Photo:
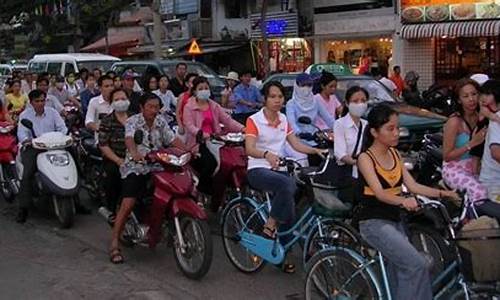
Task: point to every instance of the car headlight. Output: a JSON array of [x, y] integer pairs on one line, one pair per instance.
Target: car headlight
[[404, 132], [59, 159]]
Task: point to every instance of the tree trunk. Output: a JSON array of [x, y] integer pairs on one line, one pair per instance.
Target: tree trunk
[[157, 29], [265, 42]]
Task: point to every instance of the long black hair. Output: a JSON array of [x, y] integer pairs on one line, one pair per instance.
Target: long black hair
[[491, 87], [377, 117]]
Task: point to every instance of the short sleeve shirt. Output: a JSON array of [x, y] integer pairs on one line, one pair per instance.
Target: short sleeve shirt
[[155, 138], [490, 168], [331, 106], [112, 134]]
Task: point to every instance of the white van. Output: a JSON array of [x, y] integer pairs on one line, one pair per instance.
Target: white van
[[65, 64]]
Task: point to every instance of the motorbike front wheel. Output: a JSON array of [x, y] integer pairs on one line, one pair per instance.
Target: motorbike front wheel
[[65, 210], [195, 258]]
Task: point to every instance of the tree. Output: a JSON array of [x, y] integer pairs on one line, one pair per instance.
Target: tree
[[265, 42]]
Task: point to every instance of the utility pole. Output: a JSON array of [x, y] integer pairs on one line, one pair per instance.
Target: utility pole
[[265, 42], [157, 29]]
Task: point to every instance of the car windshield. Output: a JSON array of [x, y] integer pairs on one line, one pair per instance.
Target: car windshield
[[377, 91], [199, 69], [4, 71], [104, 65]]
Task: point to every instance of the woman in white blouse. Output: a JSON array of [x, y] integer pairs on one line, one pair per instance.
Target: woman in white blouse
[[348, 139]]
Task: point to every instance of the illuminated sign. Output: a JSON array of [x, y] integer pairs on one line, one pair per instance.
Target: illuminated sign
[[420, 11], [276, 27]]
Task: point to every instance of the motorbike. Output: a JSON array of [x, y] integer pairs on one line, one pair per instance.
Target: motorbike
[[230, 174], [57, 176], [173, 213], [438, 99], [8, 174], [429, 161], [72, 117]]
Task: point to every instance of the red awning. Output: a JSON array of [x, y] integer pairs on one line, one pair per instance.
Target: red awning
[[122, 40]]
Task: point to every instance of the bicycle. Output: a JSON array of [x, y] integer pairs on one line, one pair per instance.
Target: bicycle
[[344, 273], [244, 218]]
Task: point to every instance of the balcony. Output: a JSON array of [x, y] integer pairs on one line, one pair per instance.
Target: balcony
[[200, 27]]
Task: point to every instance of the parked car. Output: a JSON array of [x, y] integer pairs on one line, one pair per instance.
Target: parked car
[[5, 74], [64, 64], [414, 122], [167, 67]]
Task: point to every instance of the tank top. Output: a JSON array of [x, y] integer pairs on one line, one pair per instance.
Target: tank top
[[391, 181], [460, 141]]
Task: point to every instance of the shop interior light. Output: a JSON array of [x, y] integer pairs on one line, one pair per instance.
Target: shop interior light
[[444, 37], [345, 42]]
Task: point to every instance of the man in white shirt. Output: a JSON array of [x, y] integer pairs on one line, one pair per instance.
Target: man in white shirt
[[490, 166], [389, 84], [99, 106]]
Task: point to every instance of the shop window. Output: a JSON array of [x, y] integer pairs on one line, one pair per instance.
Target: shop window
[[235, 9], [459, 57]]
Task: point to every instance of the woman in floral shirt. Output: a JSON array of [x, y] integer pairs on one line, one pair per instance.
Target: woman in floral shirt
[[134, 172]]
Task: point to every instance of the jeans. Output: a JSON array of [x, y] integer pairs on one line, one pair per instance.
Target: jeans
[[407, 269], [283, 188]]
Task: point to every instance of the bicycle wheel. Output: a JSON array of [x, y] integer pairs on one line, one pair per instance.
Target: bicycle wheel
[[238, 215], [478, 292], [335, 274], [335, 233], [433, 246]]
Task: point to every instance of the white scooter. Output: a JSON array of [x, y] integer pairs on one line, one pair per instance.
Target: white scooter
[[57, 175]]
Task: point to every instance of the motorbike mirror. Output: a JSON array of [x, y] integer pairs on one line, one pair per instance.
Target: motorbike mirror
[[305, 120], [138, 137], [27, 123]]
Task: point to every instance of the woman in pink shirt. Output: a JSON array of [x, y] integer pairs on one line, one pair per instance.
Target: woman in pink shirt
[[205, 115], [326, 96]]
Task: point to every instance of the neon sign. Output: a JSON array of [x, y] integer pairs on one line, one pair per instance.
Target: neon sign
[[276, 27]]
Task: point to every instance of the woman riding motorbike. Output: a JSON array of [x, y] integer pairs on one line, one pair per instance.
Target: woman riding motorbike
[[205, 115], [462, 133], [156, 135], [267, 131], [382, 175], [112, 145], [303, 104], [326, 96]]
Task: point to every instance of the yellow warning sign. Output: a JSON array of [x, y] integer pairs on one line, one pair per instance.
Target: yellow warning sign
[[194, 48]]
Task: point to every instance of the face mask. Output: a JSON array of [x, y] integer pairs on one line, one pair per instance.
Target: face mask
[[120, 106], [304, 91], [203, 94], [358, 109]]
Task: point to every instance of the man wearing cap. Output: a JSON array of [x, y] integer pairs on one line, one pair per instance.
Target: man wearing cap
[[247, 97], [227, 99], [128, 83]]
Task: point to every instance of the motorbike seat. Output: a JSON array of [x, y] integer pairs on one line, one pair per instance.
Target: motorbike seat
[[436, 138], [90, 145]]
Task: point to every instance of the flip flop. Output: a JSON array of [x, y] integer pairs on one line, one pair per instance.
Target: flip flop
[[115, 256], [269, 233]]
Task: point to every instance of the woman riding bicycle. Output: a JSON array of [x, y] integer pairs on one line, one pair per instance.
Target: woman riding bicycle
[[205, 115], [134, 172], [462, 135], [267, 131], [304, 104], [382, 176]]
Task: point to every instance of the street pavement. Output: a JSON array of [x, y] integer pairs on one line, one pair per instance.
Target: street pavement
[[40, 261]]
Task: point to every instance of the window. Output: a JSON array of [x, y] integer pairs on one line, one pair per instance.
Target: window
[[37, 67], [236, 9], [205, 9], [68, 68], [54, 68]]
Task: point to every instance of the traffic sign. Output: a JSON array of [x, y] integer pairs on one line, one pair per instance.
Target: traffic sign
[[194, 48]]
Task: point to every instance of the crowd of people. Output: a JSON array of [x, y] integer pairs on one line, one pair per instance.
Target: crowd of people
[[115, 107]]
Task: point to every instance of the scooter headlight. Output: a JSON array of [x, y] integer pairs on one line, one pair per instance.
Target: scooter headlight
[[58, 160]]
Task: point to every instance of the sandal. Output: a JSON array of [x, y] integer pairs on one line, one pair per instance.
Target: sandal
[[115, 256], [287, 268], [269, 233]]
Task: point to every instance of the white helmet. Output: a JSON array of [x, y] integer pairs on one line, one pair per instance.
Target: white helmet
[[480, 78]]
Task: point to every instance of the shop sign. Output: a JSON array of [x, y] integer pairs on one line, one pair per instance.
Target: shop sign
[[425, 11], [278, 24], [335, 69]]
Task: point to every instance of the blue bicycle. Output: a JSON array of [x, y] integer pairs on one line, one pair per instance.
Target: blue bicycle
[[344, 273], [244, 217]]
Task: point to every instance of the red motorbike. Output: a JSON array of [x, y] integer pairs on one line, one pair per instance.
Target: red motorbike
[[9, 180], [172, 207], [230, 174]]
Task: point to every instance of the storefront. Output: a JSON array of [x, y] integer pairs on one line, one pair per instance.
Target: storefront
[[361, 39], [287, 51], [451, 39]]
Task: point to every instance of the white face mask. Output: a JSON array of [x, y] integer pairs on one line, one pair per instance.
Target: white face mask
[[358, 109], [203, 94], [120, 106], [304, 91]]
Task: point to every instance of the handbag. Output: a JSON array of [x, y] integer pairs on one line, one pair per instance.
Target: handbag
[[341, 175]]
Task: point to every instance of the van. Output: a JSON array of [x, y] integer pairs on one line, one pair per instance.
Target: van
[[64, 64]]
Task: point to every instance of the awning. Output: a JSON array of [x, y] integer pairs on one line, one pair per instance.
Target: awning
[[210, 49], [123, 40], [451, 29]]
